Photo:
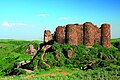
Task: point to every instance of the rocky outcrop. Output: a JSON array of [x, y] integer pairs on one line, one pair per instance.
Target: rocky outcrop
[[22, 63], [31, 50], [47, 36], [70, 53]]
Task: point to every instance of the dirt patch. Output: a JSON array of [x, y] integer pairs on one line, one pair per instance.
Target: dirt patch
[[30, 76], [55, 74], [28, 71]]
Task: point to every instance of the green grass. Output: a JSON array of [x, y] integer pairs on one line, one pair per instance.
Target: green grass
[[115, 40], [68, 74], [13, 51]]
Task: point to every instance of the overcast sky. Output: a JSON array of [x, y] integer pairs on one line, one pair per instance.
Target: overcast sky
[[27, 19]]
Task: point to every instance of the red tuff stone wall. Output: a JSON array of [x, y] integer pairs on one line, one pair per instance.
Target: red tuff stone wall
[[105, 35], [97, 35], [79, 30], [88, 34], [47, 36], [60, 34], [71, 34]]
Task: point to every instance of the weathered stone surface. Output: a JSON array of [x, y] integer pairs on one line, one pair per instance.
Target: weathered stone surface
[[88, 34], [71, 36], [31, 50], [105, 35], [97, 35], [69, 53], [60, 34], [47, 36], [89, 66], [79, 30], [22, 63]]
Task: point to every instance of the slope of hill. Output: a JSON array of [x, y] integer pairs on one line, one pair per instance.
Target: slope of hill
[[12, 52], [66, 61]]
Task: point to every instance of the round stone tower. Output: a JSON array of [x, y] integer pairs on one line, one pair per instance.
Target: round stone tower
[[60, 34], [105, 35], [88, 30], [71, 34]]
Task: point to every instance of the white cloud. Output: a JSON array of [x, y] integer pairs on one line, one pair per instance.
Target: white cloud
[[22, 24], [63, 18], [42, 15], [7, 24]]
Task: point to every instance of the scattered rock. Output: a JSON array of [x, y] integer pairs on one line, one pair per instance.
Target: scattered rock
[[31, 50], [22, 63], [89, 66], [28, 71], [70, 54]]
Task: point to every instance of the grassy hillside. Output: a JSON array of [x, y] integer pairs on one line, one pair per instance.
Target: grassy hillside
[[86, 64], [12, 52], [115, 40], [116, 43]]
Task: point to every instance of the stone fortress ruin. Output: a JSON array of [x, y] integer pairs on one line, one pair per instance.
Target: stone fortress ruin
[[74, 34], [87, 34]]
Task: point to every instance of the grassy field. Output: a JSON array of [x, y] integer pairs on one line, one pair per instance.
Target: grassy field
[[67, 74], [115, 40], [13, 51]]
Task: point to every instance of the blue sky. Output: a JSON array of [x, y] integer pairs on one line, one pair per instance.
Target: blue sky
[[27, 19]]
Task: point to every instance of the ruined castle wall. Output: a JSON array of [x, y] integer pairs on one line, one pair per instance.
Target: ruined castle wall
[[71, 34], [97, 35], [105, 35], [47, 36], [79, 30], [88, 34], [60, 34]]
